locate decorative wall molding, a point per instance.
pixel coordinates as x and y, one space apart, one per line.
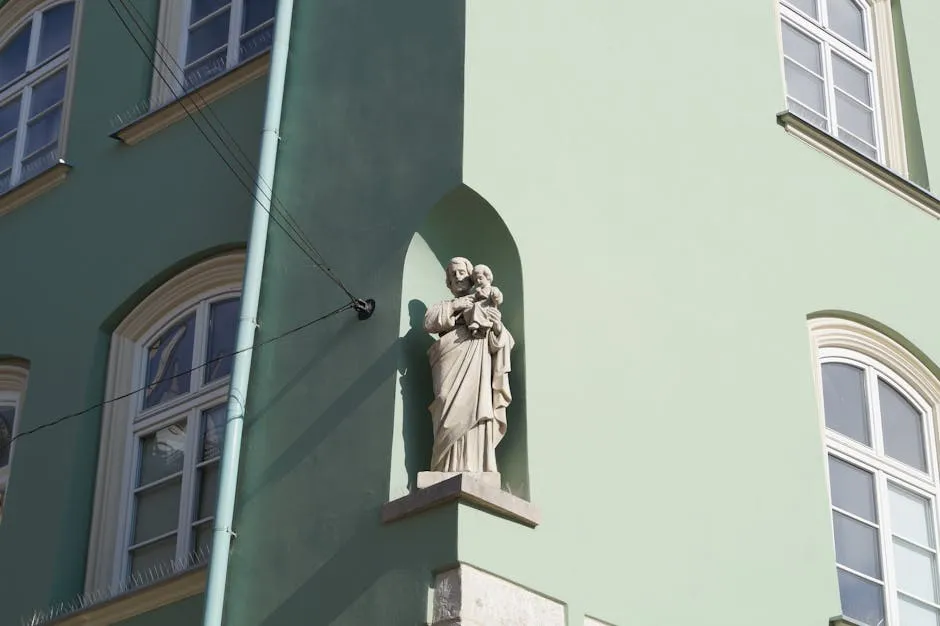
35 186
466 596
196 100
871 169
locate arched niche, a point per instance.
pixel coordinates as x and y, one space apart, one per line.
462 223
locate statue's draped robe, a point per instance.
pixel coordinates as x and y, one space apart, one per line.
471 392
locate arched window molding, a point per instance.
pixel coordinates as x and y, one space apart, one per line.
878 57
128 420
35 102
879 406
14 374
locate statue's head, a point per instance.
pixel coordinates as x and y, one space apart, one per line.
458 275
482 275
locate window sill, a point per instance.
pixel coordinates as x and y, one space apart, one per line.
215 89
465 489
139 601
844 621
35 186
871 169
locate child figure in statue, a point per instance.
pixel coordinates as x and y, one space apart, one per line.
486 301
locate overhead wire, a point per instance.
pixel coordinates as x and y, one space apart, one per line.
123 396
292 230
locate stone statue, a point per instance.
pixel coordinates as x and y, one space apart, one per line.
470 373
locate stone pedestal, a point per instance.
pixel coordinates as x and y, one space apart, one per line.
490 479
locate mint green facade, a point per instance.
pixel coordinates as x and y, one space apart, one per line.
661 242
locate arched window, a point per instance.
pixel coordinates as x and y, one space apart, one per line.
13 376
160 448
841 76
34 77
879 407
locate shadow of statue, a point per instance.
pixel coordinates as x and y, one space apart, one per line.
416 392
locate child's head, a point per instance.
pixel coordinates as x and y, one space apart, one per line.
482 275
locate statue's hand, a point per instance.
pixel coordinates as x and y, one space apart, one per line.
463 303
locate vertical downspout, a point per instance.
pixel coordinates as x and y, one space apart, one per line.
251 290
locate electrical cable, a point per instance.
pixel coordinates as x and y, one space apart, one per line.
229 140
320 265
123 396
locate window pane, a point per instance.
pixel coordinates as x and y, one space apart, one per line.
915 614
256 13
862 600
168 358
208 491
4 181
157 510
56 31
804 87
6 153
161 453
202 8
802 49
40 162
13 56
223 324
47 93
202 538
916 570
152 555
43 131
845 401
206 70
807 114
847 19
806 6
856 143
213 430
852 489
207 37
851 78
855 118
856 545
910 516
256 43
7 415
9 116
903 428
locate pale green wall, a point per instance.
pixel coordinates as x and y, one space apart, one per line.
674 445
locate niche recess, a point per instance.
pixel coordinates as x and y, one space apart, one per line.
462 223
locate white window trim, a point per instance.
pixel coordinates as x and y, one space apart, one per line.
13 15
887 83
172 31
836 339
217 275
14 374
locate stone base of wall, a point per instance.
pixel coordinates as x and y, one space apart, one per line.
466 596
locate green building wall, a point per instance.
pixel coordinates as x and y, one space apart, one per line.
72 263
621 166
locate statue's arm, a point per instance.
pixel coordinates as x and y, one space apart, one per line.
440 318
496 296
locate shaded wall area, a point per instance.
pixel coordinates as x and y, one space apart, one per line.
76 259
372 136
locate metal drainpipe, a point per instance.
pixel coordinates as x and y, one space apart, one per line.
251 290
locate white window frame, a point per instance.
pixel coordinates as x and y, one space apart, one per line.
173 33
13 16
14 374
881 62
843 341
123 422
